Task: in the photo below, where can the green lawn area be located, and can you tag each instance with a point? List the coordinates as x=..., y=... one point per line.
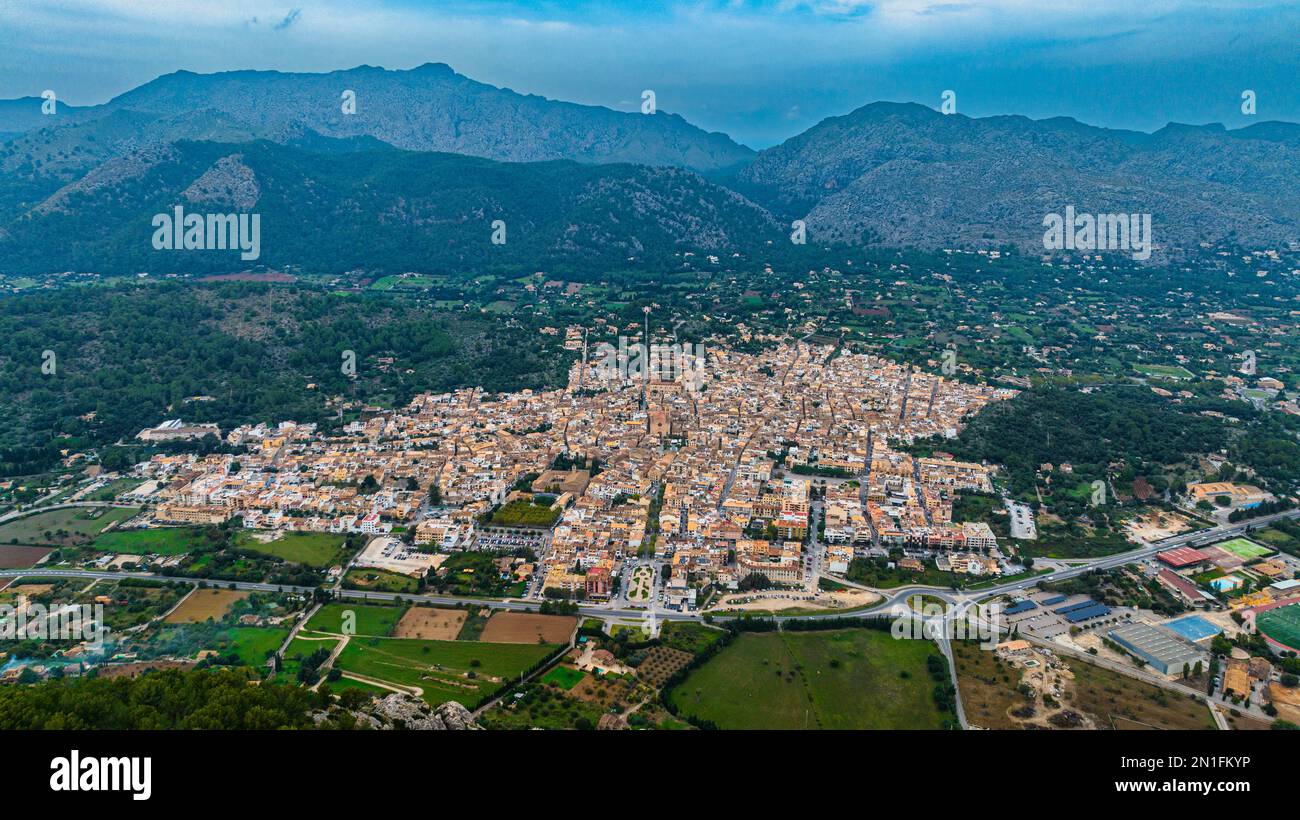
x=1019, y=576
x=298, y=650
x=313, y=549
x=565, y=677
x=842, y=679
x=1274, y=538
x=253, y=643
x=81, y=523
x=462, y=671
x=370, y=620
x=379, y=580
x=524, y=514
x=158, y=541
x=1243, y=548
x=337, y=686
x=688, y=637
x=874, y=572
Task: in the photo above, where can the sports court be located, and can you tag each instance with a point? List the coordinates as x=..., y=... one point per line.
x=1282, y=624
x=1194, y=628
x=1243, y=549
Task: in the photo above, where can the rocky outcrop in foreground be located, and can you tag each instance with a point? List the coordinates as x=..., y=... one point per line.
x=399, y=711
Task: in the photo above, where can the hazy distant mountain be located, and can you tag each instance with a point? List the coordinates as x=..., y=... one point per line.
x=904, y=174
x=888, y=174
x=24, y=114
x=347, y=205
x=429, y=108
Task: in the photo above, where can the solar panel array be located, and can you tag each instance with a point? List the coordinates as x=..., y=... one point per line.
x=1086, y=613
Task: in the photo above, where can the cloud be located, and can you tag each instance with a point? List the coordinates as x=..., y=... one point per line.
x=289, y=19
x=756, y=69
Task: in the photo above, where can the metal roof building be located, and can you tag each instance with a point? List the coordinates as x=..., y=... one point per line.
x=1162, y=648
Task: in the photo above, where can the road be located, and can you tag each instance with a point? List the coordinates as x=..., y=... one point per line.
x=959, y=601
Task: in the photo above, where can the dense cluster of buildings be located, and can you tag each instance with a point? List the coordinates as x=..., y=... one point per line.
x=722, y=474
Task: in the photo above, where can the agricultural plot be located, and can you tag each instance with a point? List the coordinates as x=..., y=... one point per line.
x=547, y=707
x=254, y=644
x=135, y=602
x=463, y=671
x=68, y=527
x=661, y=663
x=318, y=550
x=156, y=541
x=203, y=604
x=431, y=624
x=523, y=627
x=842, y=679
x=21, y=557
x=366, y=620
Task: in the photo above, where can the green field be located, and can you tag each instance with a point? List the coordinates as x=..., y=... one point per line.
x=1243, y=549
x=1281, y=624
x=689, y=637
x=564, y=677
x=524, y=514
x=160, y=541
x=377, y=621
x=337, y=686
x=379, y=580
x=462, y=671
x=843, y=679
x=313, y=549
x=252, y=643
x=80, y=523
x=298, y=650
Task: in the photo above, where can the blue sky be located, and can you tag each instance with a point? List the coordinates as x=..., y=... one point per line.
x=760, y=70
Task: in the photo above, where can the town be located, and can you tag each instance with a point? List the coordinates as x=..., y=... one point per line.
x=707, y=485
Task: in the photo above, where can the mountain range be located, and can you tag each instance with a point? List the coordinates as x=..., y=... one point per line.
x=430, y=159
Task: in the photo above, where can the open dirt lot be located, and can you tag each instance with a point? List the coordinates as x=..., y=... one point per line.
x=431, y=624
x=1157, y=525
x=522, y=627
x=203, y=604
x=19, y=557
x=776, y=601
